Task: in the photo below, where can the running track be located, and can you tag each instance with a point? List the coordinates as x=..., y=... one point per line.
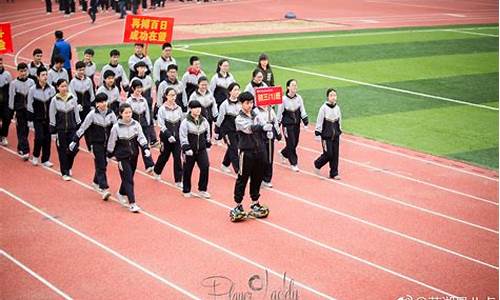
x=399, y=223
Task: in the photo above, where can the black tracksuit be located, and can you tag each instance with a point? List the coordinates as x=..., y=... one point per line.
x=64, y=119
x=252, y=155
x=328, y=127
x=140, y=113
x=225, y=127
x=97, y=127
x=124, y=142
x=170, y=120
x=18, y=101
x=195, y=136
x=38, y=111
x=289, y=115
x=269, y=116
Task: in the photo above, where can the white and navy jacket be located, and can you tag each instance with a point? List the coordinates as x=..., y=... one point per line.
x=170, y=120
x=160, y=68
x=178, y=86
x=32, y=68
x=125, y=139
x=250, y=132
x=228, y=111
x=54, y=75
x=140, y=110
x=147, y=85
x=18, y=93
x=134, y=58
x=194, y=134
x=90, y=69
x=113, y=97
x=64, y=115
x=329, y=122
x=219, y=85
x=292, y=111
x=83, y=89
x=263, y=115
x=97, y=126
x=208, y=105
x=121, y=79
x=39, y=102
x=5, y=79
x=251, y=86
x=190, y=82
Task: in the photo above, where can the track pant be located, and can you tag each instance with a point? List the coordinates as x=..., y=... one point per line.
x=252, y=166
x=100, y=163
x=6, y=115
x=48, y=5
x=151, y=133
x=127, y=169
x=231, y=156
x=166, y=149
x=42, y=140
x=83, y=114
x=291, y=134
x=66, y=157
x=330, y=155
x=22, y=129
x=268, y=172
x=201, y=159
x=148, y=160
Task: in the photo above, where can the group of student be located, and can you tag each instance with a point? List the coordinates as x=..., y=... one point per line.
x=190, y=112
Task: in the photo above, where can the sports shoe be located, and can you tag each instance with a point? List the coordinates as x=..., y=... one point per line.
x=25, y=157
x=105, y=194
x=47, y=164
x=204, y=194
x=156, y=176
x=237, y=214
x=34, y=161
x=179, y=185
x=336, y=177
x=150, y=170
x=4, y=141
x=122, y=198
x=317, y=171
x=134, y=208
x=225, y=169
x=187, y=195
x=95, y=186
x=258, y=211
x=267, y=184
x=295, y=168
x=283, y=159
x=66, y=177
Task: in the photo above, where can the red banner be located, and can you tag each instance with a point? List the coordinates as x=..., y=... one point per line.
x=148, y=30
x=6, y=45
x=269, y=96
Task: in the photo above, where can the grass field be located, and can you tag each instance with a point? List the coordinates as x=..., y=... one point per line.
x=458, y=63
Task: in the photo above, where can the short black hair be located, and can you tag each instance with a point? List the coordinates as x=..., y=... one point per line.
x=139, y=44
x=79, y=64
x=192, y=59
x=22, y=66
x=166, y=45
x=60, y=81
x=172, y=66
x=135, y=84
x=37, y=51
x=58, y=59
x=40, y=70
x=202, y=78
x=255, y=72
x=232, y=85
x=328, y=91
x=114, y=52
x=58, y=34
x=245, y=96
x=101, y=97
x=168, y=91
x=89, y=52
x=108, y=73
x=123, y=107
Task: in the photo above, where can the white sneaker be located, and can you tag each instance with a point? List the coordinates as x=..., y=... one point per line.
x=157, y=176
x=4, y=141
x=295, y=168
x=122, y=198
x=66, y=178
x=317, y=171
x=150, y=170
x=34, y=161
x=95, y=186
x=225, y=169
x=179, y=185
x=25, y=157
x=186, y=195
x=267, y=184
x=105, y=194
x=204, y=194
x=134, y=208
x=48, y=164
x=283, y=159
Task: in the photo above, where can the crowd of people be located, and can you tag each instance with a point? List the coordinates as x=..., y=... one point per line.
x=118, y=111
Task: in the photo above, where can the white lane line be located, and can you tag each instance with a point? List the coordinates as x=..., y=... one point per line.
x=472, y=33
x=33, y=273
x=184, y=231
x=100, y=245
